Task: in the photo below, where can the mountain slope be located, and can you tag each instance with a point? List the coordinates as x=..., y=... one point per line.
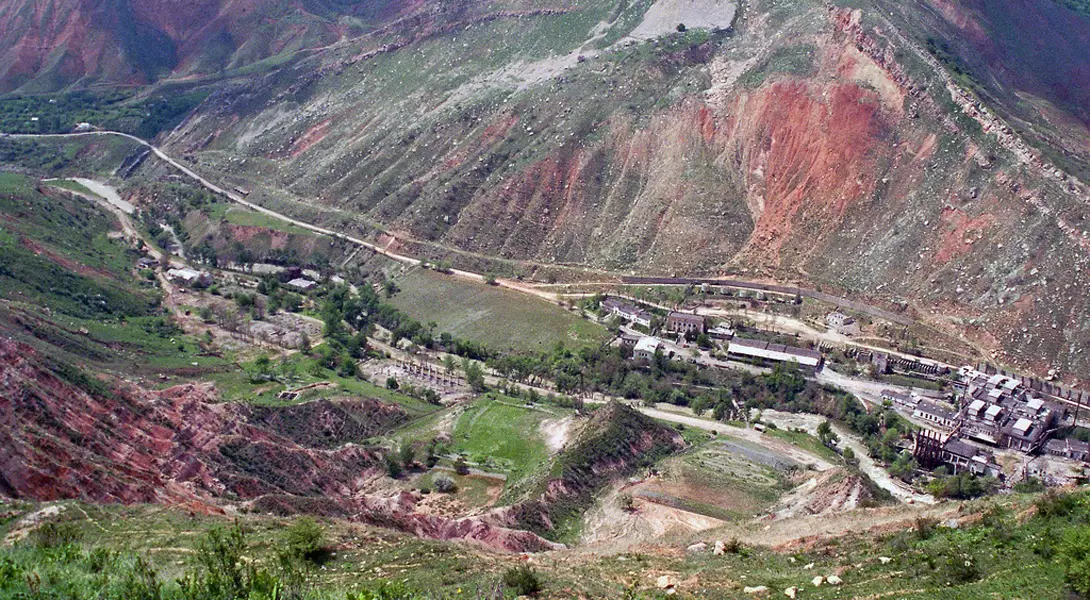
x=804, y=142
x=51, y=44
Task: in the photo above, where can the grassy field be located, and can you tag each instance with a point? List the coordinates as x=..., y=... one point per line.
x=498, y=318
x=717, y=480
x=502, y=436
x=250, y=218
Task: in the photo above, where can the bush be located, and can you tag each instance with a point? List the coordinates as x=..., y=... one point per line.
x=460, y=466
x=53, y=535
x=305, y=539
x=626, y=502
x=393, y=467
x=522, y=580
x=444, y=484
x=1075, y=557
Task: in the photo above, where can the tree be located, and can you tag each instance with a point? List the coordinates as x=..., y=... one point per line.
x=826, y=434
x=449, y=364
x=407, y=454
x=849, y=456
x=391, y=383
x=1075, y=557
x=474, y=374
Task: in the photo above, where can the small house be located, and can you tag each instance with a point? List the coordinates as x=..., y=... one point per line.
x=679, y=322
x=302, y=284
x=646, y=347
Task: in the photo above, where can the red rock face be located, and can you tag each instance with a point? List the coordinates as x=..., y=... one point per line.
x=807, y=158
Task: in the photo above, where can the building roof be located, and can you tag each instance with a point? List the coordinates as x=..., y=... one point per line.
x=1035, y=404
x=184, y=273
x=976, y=406
x=935, y=410
x=1068, y=446
x=959, y=448
x=766, y=350
x=303, y=284
x=1021, y=426
x=993, y=412
x=680, y=316
x=648, y=344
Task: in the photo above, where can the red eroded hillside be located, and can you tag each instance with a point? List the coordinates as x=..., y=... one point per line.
x=47, y=45
x=179, y=446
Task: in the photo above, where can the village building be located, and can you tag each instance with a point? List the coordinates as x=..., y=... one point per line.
x=935, y=414
x=963, y=457
x=679, y=322
x=626, y=312
x=720, y=332
x=189, y=276
x=1000, y=411
x=899, y=398
x=842, y=323
x=764, y=352
x=646, y=347
x=1072, y=449
x=302, y=284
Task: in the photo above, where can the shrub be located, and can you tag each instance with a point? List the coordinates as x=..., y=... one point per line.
x=522, y=580
x=1075, y=557
x=444, y=484
x=1054, y=504
x=626, y=502
x=393, y=467
x=53, y=535
x=305, y=539
x=460, y=466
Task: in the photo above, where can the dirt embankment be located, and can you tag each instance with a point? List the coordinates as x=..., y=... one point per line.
x=616, y=442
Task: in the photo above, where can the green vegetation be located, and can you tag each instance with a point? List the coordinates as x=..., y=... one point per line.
x=499, y=433
x=791, y=60
x=494, y=317
x=150, y=552
x=55, y=251
x=118, y=110
x=251, y=218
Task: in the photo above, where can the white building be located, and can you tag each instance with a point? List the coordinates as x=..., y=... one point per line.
x=645, y=348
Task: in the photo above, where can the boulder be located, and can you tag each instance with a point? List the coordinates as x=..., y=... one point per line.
x=884, y=560
x=791, y=592
x=808, y=566
x=698, y=547
x=816, y=581
x=757, y=589
x=834, y=580
x=720, y=548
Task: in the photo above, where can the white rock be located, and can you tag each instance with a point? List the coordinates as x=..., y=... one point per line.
x=834, y=580
x=884, y=559
x=664, y=582
x=757, y=589
x=791, y=592
x=720, y=548
x=698, y=547
x=816, y=581
x=809, y=566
